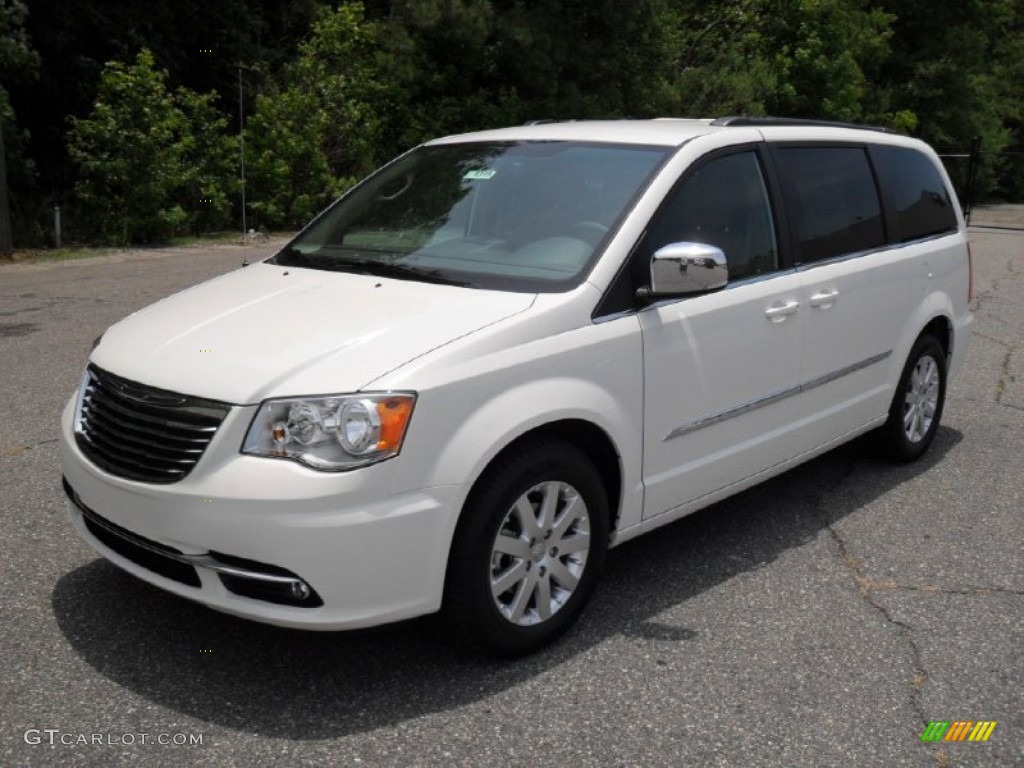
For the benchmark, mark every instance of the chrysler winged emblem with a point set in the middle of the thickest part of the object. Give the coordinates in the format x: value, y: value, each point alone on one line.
x: 145, y: 395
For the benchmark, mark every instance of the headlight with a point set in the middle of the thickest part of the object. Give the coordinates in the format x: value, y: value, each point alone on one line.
x: 331, y: 433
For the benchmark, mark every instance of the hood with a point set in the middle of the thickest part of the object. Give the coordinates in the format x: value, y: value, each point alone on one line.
x: 269, y: 331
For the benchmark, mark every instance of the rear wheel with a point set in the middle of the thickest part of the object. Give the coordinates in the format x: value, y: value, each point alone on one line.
x: 528, y: 549
x: 917, y: 405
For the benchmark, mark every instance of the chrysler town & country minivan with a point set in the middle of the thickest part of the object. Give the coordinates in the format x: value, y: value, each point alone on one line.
x: 507, y: 351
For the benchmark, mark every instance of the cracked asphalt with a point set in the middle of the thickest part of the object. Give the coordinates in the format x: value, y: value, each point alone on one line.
x: 821, y: 619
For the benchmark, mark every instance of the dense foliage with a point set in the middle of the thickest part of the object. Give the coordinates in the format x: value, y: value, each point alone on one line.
x: 127, y: 115
x: 151, y: 162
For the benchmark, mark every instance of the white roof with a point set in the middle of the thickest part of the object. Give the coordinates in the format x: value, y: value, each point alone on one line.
x: 661, y: 132
x: 672, y: 132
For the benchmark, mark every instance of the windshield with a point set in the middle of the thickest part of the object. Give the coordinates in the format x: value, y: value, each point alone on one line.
x: 526, y: 216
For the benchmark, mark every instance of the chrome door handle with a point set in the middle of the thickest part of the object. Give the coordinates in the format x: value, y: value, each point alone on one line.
x: 824, y: 299
x: 779, y: 313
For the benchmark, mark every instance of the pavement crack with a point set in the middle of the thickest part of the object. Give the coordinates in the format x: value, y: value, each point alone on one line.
x: 993, y: 339
x: 871, y: 585
x: 11, y: 451
x: 1005, y: 374
x: 866, y: 588
x: 1011, y: 406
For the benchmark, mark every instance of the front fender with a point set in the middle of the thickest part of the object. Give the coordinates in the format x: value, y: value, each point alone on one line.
x: 515, y: 412
x: 592, y: 374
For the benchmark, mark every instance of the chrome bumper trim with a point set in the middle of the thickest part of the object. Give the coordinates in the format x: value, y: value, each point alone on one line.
x: 205, y: 562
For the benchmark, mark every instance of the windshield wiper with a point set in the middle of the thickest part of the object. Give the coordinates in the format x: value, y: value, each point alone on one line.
x: 296, y: 258
x: 404, y: 272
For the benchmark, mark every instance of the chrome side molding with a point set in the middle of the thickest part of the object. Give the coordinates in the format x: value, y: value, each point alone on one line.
x: 775, y: 397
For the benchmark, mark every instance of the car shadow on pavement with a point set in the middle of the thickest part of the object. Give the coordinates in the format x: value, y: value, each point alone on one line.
x: 307, y: 685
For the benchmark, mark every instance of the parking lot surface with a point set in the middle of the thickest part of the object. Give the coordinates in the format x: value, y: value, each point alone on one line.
x: 820, y: 619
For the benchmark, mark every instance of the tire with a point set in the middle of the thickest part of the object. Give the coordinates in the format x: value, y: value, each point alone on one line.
x: 528, y: 549
x: 917, y: 404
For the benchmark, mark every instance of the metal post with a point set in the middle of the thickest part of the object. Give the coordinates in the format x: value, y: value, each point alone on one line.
x: 241, y: 144
x: 6, y: 242
x: 972, y: 173
x: 56, y: 226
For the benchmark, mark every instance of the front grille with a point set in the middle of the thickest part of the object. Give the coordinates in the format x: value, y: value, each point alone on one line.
x: 142, y: 433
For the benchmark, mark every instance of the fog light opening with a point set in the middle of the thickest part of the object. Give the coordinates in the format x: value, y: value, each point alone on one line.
x: 300, y: 590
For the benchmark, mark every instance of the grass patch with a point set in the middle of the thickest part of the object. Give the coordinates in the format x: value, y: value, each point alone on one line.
x: 36, y: 255
x: 215, y: 238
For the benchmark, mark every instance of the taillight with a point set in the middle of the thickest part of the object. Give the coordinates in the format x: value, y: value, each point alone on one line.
x: 970, y: 275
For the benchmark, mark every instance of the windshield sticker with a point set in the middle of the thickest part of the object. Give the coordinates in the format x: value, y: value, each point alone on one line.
x: 484, y: 174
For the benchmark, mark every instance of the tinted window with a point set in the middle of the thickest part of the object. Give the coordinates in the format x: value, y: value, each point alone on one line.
x: 723, y: 203
x: 833, y: 201
x: 922, y: 202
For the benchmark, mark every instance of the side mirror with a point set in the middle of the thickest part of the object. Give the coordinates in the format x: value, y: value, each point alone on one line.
x: 685, y: 269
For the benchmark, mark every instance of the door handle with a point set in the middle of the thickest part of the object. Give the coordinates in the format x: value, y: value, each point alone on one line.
x: 825, y: 298
x: 780, y: 312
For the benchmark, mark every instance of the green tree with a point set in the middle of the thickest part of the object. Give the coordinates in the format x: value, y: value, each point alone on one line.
x: 127, y: 153
x: 470, y: 64
x: 200, y: 44
x: 824, y: 54
x: 720, y: 63
x: 208, y: 158
x: 288, y: 177
x: 147, y: 158
x: 959, y: 72
x: 799, y: 58
x: 319, y: 130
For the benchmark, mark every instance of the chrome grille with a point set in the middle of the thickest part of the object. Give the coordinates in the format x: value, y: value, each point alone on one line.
x: 142, y: 433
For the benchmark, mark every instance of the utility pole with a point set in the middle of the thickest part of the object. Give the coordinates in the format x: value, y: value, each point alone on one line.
x: 6, y: 244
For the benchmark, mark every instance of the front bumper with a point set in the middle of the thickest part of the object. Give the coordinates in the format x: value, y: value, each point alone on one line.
x: 249, y: 536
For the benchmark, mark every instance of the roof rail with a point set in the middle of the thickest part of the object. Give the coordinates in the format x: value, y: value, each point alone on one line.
x: 542, y: 121
x: 756, y: 122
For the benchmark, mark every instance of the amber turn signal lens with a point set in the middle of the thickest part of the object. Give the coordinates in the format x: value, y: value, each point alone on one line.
x: 394, y: 414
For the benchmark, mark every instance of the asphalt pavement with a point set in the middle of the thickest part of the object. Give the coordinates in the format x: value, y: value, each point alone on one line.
x: 820, y: 619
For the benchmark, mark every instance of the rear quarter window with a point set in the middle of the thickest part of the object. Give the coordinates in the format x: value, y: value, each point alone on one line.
x: 922, y: 204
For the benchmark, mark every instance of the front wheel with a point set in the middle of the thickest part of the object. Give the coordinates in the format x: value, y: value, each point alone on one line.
x: 917, y: 405
x: 528, y: 549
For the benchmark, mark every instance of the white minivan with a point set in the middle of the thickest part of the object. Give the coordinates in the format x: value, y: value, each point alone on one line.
x: 505, y: 352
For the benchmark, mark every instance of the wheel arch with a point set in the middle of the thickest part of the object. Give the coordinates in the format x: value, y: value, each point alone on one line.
x: 935, y: 317
x: 602, y: 419
x: 590, y: 439
x: 941, y: 327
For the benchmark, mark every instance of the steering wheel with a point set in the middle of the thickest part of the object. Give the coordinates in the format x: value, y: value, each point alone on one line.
x: 403, y: 184
x: 591, y: 231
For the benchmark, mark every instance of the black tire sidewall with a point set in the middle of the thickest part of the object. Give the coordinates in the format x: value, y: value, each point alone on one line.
x: 468, y: 600
x: 896, y: 444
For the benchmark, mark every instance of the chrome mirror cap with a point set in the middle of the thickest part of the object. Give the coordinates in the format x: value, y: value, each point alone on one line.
x: 682, y: 269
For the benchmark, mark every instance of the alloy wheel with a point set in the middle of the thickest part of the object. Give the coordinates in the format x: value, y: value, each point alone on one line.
x: 540, y: 552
